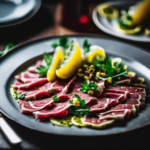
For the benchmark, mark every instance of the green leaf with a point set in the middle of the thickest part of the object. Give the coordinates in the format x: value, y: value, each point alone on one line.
x: 86, y: 46
x: 20, y: 96
x: 86, y: 87
x: 55, y: 98
x: 8, y: 47
x: 48, y: 58
x: 62, y: 41
x: 71, y: 102
x: 79, y: 112
x: 82, y: 102
x: 114, y: 83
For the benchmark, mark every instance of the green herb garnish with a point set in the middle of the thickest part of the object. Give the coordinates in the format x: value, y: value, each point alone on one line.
x: 79, y: 112
x: 82, y: 102
x: 86, y: 86
x: 86, y: 46
x: 8, y: 47
x: 42, y: 70
x: 20, y: 96
x: 63, y: 41
x: 55, y: 98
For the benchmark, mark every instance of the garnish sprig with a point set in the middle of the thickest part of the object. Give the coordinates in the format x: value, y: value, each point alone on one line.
x: 90, y: 86
x: 56, y: 99
x: 20, y: 96
x: 8, y: 47
x: 42, y: 70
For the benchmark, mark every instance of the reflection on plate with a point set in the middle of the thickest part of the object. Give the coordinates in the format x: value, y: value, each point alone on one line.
x: 111, y: 27
x: 12, y: 14
x: 26, y: 55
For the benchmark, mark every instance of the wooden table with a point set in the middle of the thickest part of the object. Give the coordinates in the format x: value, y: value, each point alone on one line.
x: 47, y: 22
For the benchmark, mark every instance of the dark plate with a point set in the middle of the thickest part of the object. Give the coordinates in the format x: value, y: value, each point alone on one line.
x: 109, y: 26
x: 27, y: 54
x: 14, y: 21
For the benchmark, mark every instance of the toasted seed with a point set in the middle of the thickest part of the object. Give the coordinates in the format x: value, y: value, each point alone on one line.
x: 109, y: 80
x: 119, y: 78
x: 98, y: 74
x: 86, y: 66
x: 86, y: 77
x: 80, y: 74
x: 92, y: 66
x: 103, y: 74
x: 91, y: 75
x: 125, y: 67
x: 91, y: 70
x: 103, y: 69
x: 90, y: 92
x: 96, y: 78
x: 80, y: 70
x: 142, y: 79
x: 86, y: 72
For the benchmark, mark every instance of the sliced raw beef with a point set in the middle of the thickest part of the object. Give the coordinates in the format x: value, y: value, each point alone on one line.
x: 26, y: 75
x: 37, y: 92
x: 97, y: 122
x: 27, y: 107
x: 130, y: 89
x: 118, y: 112
x: 59, y: 110
x: 31, y: 85
x: 61, y: 85
x: 100, y: 86
x: 121, y: 97
x: 38, y: 64
x: 104, y: 104
x: 17, y: 83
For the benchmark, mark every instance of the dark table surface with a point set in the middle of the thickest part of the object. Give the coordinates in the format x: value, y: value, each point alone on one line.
x: 47, y: 22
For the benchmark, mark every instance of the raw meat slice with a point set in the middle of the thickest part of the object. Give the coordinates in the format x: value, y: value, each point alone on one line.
x: 130, y: 89
x: 100, y: 86
x: 104, y: 104
x: 126, y: 93
x: 38, y: 64
x: 31, y: 85
x: 95, y: 122
x: 27, y: 107
x: 121, y: 97
x: 61, y: 85
x: 59, y: 110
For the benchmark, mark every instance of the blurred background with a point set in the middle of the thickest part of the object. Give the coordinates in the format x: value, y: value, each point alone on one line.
x: 55, y: 17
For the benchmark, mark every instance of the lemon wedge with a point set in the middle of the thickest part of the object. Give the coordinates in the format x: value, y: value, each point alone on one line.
x: 65, y: 122
x: 13, y: 91
x: 140, y: 12
x: 57, y: 58
x: 71, y: 62
x: 129, y: 30
x: 107, y: 11
x: 77, y: 121
x: 119, y: 60
x: 95, y: 53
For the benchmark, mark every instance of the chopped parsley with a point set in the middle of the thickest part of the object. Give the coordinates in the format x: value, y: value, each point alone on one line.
x: 86, y: 46
x: 81, y: 110
x: 20, y: 96
x: 8, y: 47
x: 63, y: 41
x: 55, y: 98
x: 42, y: 70
x: 90, y: 86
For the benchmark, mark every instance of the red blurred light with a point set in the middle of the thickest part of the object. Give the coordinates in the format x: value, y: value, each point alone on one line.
x: 83, y: 19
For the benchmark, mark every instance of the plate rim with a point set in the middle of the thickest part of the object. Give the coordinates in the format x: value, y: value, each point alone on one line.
x: 51, y: 37
x: 100, y: 26
x: 23, y: 19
